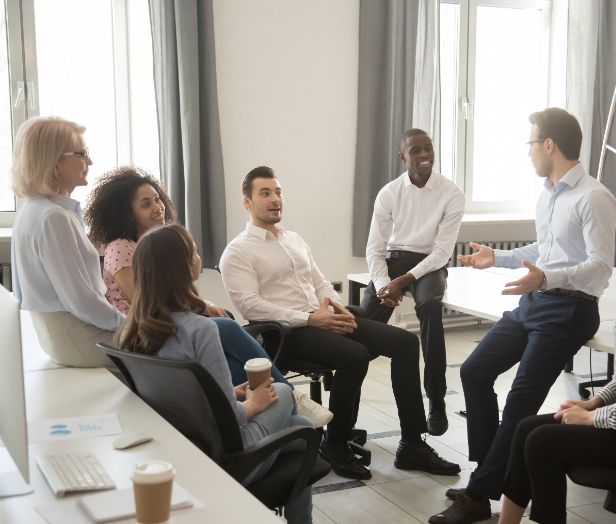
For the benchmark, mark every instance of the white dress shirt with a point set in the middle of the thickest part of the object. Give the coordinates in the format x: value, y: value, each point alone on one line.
x: 419, y: 219
x: 576, y: 224
x: 271, y: 277
x: 55, y: 266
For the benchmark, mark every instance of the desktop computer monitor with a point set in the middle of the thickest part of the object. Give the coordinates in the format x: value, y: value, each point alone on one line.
x: 13, y: 422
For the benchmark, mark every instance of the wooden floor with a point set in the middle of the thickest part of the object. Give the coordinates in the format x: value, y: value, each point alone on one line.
x: 393, y: 496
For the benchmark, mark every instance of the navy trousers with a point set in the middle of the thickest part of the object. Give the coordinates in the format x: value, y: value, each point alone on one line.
x: 542, y: 334
x: 428, y: 294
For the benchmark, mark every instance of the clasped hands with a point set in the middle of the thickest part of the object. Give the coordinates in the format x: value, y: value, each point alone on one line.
x: 577, y: 412
x: 338, y: 320
x: 392, y: 294
x: 484, y: 258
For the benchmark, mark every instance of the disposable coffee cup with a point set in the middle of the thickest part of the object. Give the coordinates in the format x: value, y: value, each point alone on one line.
x: 258, y: 370
x: 152, y: 486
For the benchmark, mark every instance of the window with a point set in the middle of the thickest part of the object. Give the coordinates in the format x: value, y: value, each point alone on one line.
x: 89, y: 61
x: 494, y: 73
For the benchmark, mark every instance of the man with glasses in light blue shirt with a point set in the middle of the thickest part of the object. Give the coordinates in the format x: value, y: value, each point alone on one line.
x: 568, y: 269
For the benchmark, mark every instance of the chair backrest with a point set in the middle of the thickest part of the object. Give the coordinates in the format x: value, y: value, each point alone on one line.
x: 185, y: 395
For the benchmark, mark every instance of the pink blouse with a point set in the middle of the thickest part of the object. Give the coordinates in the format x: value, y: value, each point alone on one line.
x: 118, y: 255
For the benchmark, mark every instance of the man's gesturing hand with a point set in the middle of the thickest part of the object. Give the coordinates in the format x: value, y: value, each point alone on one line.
x: 481, y: 259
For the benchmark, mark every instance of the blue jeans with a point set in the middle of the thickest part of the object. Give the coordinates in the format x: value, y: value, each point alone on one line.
x: 239, y: 347
x: 542, y: 334
x: 280, y: 415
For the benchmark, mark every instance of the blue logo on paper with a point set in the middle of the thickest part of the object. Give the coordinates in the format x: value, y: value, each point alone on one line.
x: 59, y: 429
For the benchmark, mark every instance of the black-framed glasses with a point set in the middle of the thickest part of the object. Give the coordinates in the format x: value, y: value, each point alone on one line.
x: 82, y: 153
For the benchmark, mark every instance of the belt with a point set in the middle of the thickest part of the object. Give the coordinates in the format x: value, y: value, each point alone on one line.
x: 401, y: 254
x: 557, y: 291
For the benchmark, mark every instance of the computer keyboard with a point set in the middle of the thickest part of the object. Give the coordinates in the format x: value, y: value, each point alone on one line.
x: 69, y: 472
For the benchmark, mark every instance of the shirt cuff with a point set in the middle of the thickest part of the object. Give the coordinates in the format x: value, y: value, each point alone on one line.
x: 602, y: 417
x: 552, y: 279
x: 299, y: 319
x: 380, y: 283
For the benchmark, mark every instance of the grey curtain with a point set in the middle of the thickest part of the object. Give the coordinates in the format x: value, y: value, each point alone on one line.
x: 399, y: 88
x: 188, y: 122
x: 591, y: 74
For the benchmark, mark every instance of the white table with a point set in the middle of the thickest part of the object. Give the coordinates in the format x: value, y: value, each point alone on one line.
x: 478, y: 293
x: 69, y: 392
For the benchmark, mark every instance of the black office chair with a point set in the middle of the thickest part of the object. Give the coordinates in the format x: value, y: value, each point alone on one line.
x: 600, y: 478
x: 272, y: 336
x: 189, y: 398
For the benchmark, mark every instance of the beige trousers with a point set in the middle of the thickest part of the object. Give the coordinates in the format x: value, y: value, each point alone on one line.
x: 70, y: 341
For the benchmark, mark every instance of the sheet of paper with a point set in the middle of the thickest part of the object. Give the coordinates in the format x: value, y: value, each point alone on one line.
x: 69, y: 511
x: 73, y: 428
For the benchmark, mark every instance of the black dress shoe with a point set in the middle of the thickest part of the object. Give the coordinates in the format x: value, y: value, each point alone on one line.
x: 359, y: 436
x: 464, y: 510
x: 437, y: 418
x: 420, y: 456
x: 452, y: 493
x: 343, y: 461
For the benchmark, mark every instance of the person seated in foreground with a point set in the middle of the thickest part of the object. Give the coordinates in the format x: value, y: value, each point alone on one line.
x: 544, y: 447
x: 167, y: 318
x: 56, y: 270
x: 125, y: 204
x: 270, y: 274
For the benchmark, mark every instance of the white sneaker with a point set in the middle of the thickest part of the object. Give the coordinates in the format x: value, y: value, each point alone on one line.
x: 315, y: 413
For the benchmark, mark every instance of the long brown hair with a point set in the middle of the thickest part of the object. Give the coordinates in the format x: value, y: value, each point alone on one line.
x: 163, y: 284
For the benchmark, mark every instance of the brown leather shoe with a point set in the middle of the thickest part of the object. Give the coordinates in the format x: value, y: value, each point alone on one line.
x: 464, y: 510
x: 452, y: 493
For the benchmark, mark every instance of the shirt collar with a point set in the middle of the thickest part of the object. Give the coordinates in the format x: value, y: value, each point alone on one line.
x: 259, y: 232
x: 67, y: 203
x: 429, y: 184
x: 571, y: 178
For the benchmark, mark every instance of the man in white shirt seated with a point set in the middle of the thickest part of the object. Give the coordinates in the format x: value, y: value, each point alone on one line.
x: 414, y: 227
x: 270, y: 274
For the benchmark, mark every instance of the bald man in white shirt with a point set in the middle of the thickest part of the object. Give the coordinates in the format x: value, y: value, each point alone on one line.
x: 270, y: 274
x: 414, y: 227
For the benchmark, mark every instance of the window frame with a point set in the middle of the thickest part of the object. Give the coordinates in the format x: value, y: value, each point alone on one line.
x: 464, y: 126
x: 21, y: 53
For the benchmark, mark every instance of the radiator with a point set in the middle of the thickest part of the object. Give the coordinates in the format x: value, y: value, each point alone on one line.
x: 405, y: 316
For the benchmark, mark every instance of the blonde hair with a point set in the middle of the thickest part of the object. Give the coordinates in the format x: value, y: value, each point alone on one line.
x: 39, y: 144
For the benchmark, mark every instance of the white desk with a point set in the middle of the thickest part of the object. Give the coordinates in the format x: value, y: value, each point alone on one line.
x: 68, y: 392
x: 478, y: 293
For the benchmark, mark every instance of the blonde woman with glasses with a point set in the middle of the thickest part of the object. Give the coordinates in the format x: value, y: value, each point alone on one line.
x: 56, y: 269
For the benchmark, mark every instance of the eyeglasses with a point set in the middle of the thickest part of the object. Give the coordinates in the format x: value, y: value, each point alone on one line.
x: 82, y: 153
x: 536, y: 141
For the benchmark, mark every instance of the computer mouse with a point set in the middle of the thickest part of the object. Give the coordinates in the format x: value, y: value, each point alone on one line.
x: 130, y: 440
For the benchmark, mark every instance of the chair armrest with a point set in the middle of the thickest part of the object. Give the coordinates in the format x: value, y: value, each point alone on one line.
x: 256, y: 328
x: 357, y: 311
x: 240, y: 464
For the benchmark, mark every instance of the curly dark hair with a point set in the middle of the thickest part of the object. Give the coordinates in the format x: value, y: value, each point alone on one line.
x: 108, y: 213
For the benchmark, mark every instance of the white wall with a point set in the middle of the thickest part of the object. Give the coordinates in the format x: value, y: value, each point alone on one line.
x: 287, y: 87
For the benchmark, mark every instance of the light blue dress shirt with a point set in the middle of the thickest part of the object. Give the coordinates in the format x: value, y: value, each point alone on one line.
x: 55, y: 266
x: 576, y: 228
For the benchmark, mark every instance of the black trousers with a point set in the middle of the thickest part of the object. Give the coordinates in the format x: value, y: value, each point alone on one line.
x: 349, y: 355
x: 542, y: 451
x: 542, y: 334
x: 428, y: 294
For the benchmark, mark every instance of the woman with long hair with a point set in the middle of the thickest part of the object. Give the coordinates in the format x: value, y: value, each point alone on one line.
x: 167, y: 318
x: 56, y: 270
x: 125, y: 204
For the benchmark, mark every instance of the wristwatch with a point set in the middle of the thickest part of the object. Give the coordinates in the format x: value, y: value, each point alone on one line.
x: 544, y: 283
